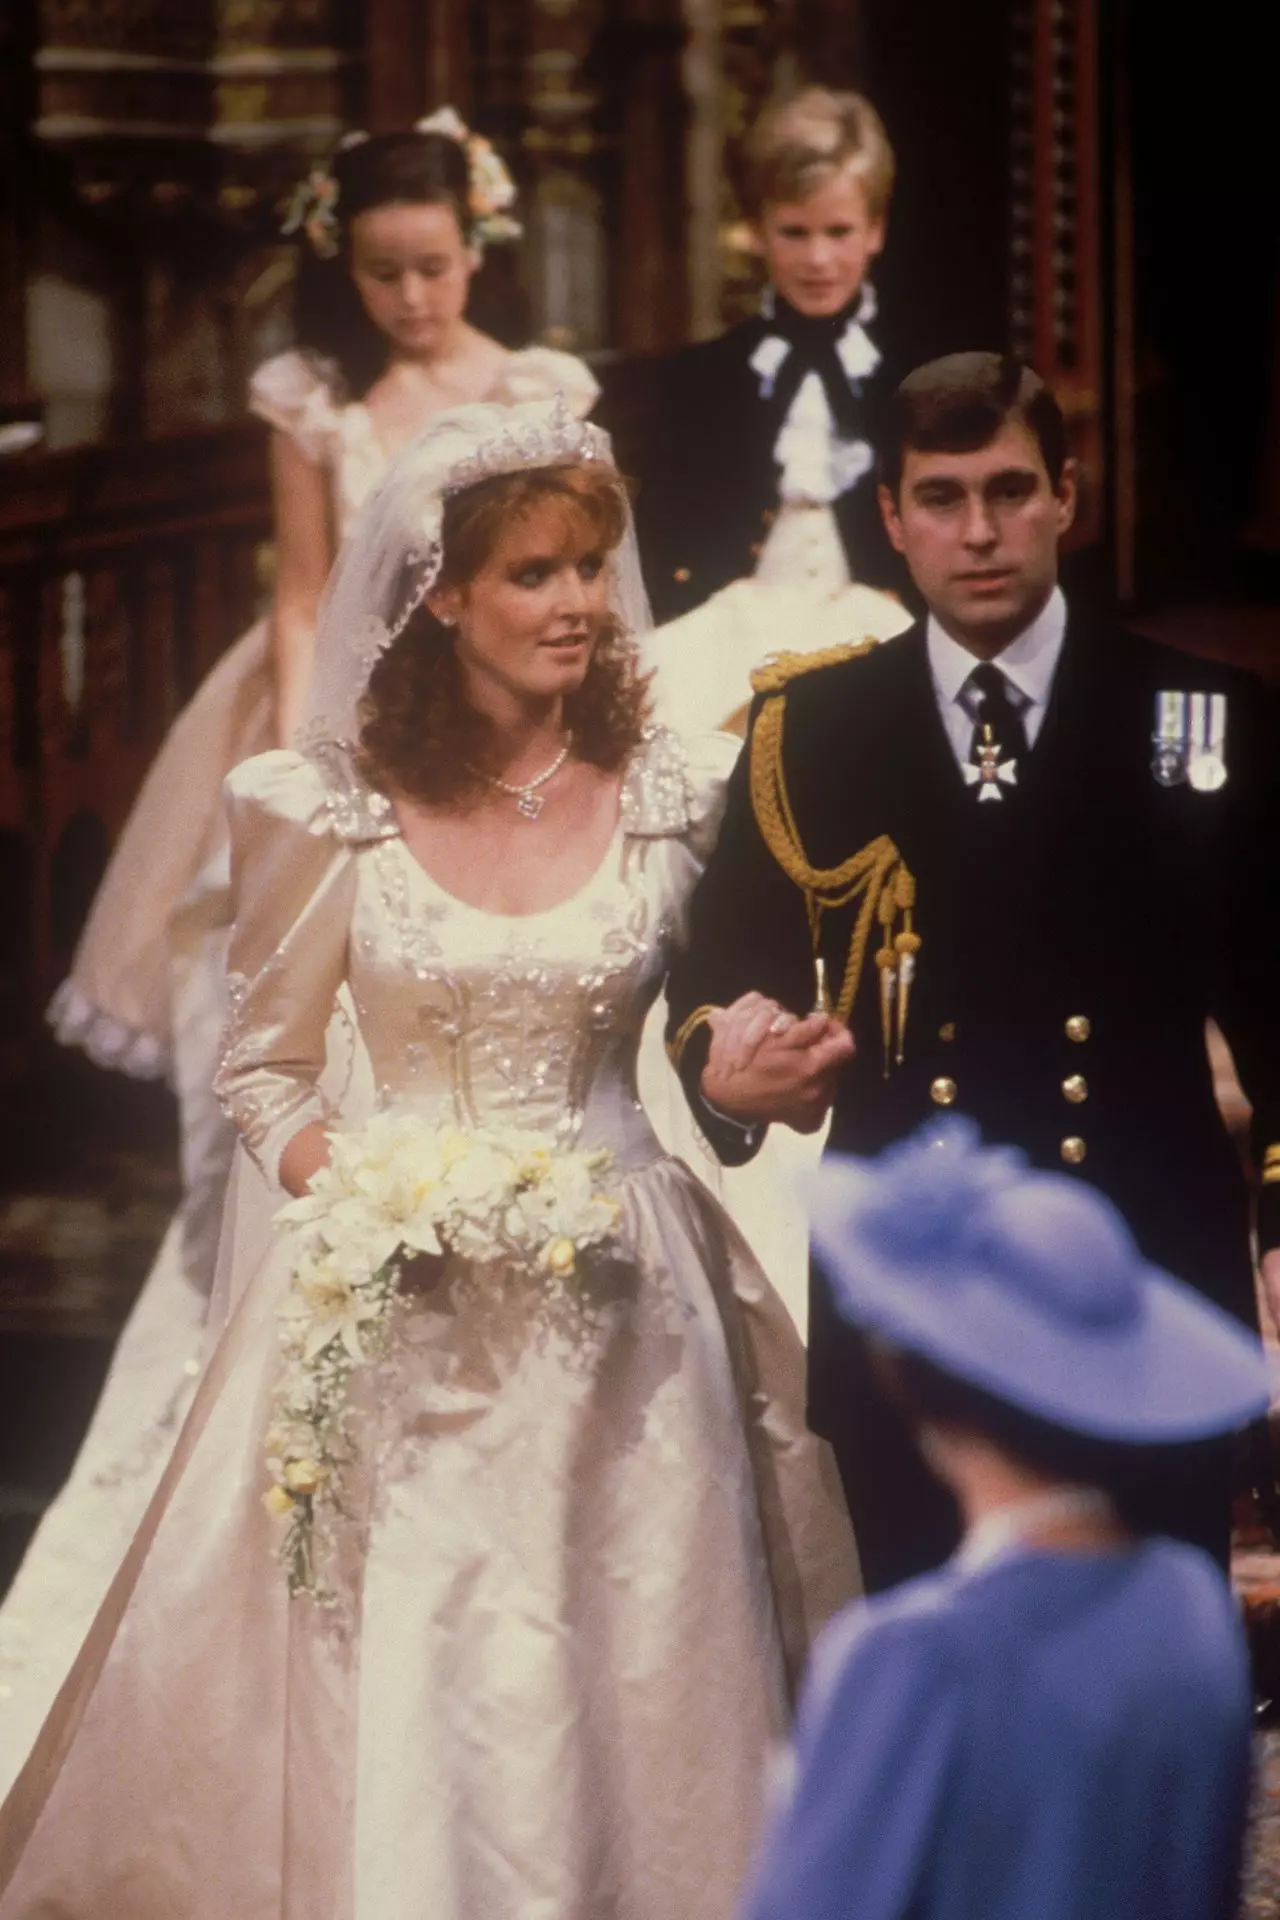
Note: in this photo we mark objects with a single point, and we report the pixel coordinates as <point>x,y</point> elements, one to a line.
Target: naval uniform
<point>1032,927</point>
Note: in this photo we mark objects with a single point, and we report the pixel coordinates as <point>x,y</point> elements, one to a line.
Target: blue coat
<point>1053,1737</point>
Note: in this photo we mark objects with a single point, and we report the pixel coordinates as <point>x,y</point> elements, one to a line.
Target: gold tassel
<point>906,946</point>
<point>887,961</point>
<point>820,1002</point>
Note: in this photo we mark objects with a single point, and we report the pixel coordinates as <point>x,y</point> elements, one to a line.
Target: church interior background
<point>1078,180</point>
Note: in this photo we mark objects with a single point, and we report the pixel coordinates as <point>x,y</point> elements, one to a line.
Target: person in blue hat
<point>1056,1724</point>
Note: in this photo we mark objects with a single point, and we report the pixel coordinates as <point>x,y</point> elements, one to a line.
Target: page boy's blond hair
<point>796,146</point>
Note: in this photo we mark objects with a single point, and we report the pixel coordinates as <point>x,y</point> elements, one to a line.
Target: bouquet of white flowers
<point>398,1188</point>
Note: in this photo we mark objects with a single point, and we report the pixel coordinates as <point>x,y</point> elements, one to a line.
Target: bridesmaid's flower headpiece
<point>491,191</point>
<point>313,211</point>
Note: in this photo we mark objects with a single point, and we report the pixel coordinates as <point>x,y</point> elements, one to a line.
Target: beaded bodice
<point>474,1017</point>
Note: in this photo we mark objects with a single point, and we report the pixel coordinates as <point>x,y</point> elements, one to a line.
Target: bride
<point>581,1555</point>
<point>390,241</point>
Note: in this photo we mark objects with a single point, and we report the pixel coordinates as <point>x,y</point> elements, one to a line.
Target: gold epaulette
<point>774,674</point>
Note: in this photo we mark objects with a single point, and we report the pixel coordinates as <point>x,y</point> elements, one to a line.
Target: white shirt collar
<point>1030,661</point>
<point>857,352</point>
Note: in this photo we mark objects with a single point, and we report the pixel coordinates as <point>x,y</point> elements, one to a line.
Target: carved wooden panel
<point>1055,263</point>
<point>123,575</point>
<point>154,97</point>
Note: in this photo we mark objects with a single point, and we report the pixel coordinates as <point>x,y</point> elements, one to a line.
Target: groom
<point>1016,859</point>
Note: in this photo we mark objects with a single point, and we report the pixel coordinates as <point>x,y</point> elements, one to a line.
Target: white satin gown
<point>582,1565</point>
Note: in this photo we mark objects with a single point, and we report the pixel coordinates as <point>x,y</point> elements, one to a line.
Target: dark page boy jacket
<point>1066,944</point>
<point>708,479</point>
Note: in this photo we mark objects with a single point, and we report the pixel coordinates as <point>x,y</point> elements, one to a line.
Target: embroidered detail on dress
<point>256,1100</point>
<point>356,810</point>
<point>413,927</point>
<point>655,793</point>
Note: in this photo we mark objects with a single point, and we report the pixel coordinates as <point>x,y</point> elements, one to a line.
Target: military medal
<point>991,770</point>
<point>1169,761</point>
<point>1190,740</point>
<point>1207,770</point>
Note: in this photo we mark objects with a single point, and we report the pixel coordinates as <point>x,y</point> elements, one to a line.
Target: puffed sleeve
<point>709,760</point>
<point>293,881</point>
<point>877,1739</point>
<point>540,373</point>
<point>289,393</point>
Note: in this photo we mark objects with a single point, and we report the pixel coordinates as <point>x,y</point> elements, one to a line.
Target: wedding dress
<point>146,995</point>
<point>584,1558</point>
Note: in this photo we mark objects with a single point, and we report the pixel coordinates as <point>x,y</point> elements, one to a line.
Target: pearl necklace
<point>529,802</point>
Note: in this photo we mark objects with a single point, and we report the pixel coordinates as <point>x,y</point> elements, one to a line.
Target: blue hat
<point>1029,1286</point>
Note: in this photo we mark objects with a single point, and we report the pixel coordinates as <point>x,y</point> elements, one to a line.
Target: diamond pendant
<point>529,805</point>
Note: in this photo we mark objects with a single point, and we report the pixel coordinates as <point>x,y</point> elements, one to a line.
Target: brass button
<point>1073,1149</point>
<point>1075,1088</point>
<point>681,574</point>
<point>947,1031</point>
<point>943,1092</point>
<point>1078,1027</point>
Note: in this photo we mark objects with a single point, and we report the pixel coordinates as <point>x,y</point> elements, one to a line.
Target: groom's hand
<point>765,1065</point>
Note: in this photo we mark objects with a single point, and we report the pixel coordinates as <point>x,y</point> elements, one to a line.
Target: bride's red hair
<point>419,734</point>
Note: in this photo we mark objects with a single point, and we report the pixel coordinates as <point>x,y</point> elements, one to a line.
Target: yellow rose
<point>277,1502</point>
<point>305,1476</point>
<point>561,1257</point>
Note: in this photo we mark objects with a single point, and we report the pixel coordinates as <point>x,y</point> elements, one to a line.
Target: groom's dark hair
<point>960,403</point>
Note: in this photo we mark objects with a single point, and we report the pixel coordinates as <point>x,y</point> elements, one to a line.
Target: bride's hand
<point>304,1156</point>
<point>737,1031</point>
<point>766,1065</point>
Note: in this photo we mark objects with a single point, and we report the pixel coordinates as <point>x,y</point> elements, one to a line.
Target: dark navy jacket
<point>1075,938</point>
<point>708,480</point>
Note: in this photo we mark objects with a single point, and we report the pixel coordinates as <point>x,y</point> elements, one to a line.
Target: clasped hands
<point>767,1065</point>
